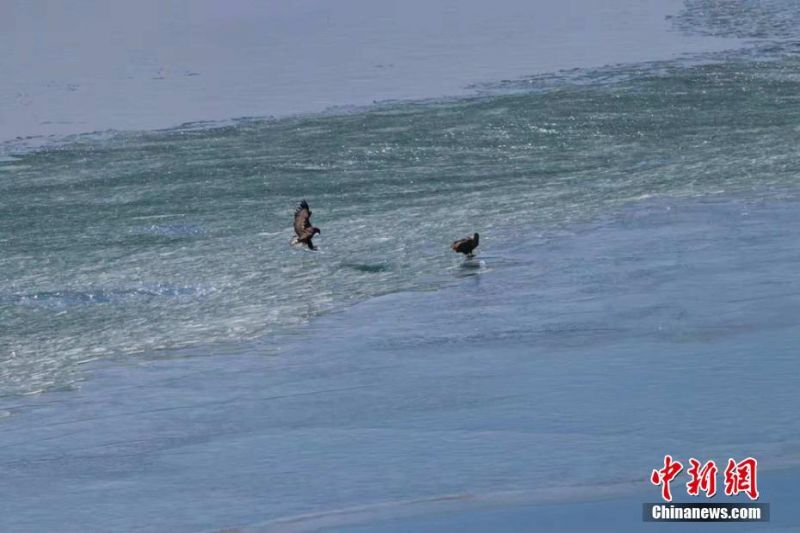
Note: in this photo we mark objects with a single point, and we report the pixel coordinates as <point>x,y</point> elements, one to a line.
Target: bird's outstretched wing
<point>302,221</point>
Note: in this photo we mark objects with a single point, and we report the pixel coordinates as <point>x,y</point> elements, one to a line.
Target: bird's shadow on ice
<point>471,267</point>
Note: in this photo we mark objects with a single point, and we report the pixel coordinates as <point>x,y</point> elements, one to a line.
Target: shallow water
<point>105,237</point>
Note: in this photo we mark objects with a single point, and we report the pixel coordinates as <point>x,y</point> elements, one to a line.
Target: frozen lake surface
<point>562,368</point>
<point>91,66</point>
<point>168,362</point>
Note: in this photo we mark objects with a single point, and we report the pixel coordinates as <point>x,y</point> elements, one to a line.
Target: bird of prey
<point>303,229</point>
<point>466,246</point>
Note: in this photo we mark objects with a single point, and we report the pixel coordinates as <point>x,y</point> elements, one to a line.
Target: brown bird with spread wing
<point>302,226</point>
<point>466,246</point>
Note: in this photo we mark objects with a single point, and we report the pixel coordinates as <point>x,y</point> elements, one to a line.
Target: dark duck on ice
<point>466,246</point>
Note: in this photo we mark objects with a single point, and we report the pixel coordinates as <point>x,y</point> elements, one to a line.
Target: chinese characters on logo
<point>702,479</point>
<point>739,477</point>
